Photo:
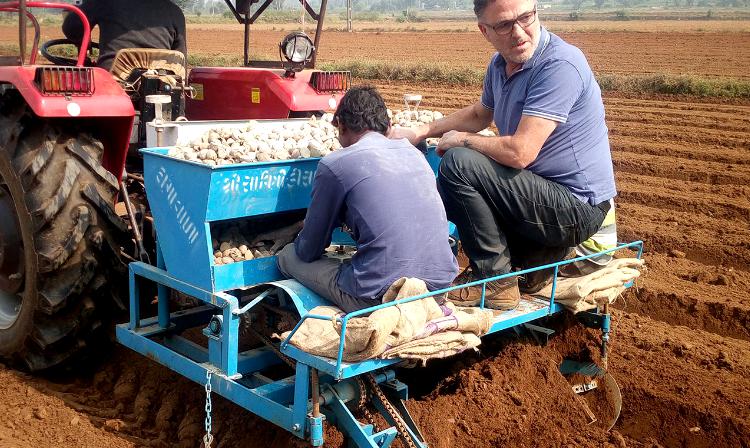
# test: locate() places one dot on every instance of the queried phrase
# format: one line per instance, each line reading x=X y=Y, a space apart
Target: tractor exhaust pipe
x=22 y=30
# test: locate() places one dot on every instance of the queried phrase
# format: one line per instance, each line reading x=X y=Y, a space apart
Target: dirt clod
x=617 y=439
x=677 y=253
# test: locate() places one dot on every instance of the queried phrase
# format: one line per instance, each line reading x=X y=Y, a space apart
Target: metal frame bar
x=284 y=403
x=222 y=384
x=341 y=371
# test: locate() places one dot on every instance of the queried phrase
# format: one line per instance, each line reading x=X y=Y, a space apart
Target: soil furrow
x=670 y=200
x=683 y=309
x=712 y=242
x=666 y=167
x=724 y=146
x=697 y=123
x=681 y=386
x=707 y=105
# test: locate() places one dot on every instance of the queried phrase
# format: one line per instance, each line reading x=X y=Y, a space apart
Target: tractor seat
x=129 y=59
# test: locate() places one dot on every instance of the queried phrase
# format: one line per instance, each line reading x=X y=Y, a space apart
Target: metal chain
x=392 y=412
x=269 y=343
x=208 y=439
x=364 y=400
x=364 y=396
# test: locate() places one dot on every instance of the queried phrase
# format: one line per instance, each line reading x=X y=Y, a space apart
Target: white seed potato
x=412 y=118
x=232 y=243
x=258 y=143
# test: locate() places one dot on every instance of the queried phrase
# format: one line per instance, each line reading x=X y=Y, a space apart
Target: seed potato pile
x=258 y=143
x=232 y=245
x=412 y=118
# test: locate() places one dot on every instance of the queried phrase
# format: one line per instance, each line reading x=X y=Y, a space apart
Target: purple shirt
x=557 y=84
x=385 y=192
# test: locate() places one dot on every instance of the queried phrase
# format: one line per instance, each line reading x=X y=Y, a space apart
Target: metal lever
x=158 y=101
x=142 y=254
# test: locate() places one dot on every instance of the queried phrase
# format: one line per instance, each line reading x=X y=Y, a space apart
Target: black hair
x=362 y=108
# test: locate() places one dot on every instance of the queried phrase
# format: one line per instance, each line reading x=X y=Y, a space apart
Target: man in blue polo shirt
x=384 y=191
x=545 y=184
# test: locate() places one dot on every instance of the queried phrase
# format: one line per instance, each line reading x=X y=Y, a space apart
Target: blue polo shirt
x=385 y=192
x=557 y=84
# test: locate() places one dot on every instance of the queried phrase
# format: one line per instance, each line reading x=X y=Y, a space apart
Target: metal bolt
x=295 y=427
x=214 y=325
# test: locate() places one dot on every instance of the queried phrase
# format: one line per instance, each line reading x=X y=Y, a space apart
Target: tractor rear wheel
x=57 y=238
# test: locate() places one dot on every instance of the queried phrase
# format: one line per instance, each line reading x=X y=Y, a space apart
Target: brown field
x=681 y=338
x=724 y=54
x=706 y=48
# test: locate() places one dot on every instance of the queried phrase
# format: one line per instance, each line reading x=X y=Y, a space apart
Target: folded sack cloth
x=368 y=337
x=390 y=327
x=464 y=319
x=602 y=286
x=439 y=345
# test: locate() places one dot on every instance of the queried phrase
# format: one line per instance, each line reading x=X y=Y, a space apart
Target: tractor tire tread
x=75 y=148
x=47 y=207
x=75 y=239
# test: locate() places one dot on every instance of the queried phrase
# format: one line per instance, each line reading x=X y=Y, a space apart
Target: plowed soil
x=708 y=48
x=622 y=52
x=681 y=338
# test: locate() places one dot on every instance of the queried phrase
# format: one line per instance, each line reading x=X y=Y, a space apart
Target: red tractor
x=70 y=215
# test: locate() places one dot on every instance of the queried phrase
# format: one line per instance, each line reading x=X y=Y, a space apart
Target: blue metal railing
x=556 y=266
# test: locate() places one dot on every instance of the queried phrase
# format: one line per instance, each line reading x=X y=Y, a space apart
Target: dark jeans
x=509 y=218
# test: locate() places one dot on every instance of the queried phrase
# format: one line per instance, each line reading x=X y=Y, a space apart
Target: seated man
x=385 y=192
x=129 y=24
x=525 y=198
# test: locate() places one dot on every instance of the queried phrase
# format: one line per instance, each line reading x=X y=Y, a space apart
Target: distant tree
x=186 y=4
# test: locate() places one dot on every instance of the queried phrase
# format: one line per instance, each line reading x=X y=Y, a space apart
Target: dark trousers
x=509 y=218
x=322 y=277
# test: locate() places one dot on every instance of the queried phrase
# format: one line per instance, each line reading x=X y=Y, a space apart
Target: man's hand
x=414 y=135
x=279 y=237
x=451 y=139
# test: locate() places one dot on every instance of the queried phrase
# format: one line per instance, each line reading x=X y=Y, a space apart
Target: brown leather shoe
x=465 y=296
x=533 y=282
x=500 y=295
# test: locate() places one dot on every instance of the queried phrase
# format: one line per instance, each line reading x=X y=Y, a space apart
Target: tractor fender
x=108 y=112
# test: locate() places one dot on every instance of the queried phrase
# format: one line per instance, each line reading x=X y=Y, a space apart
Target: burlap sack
x=600 y=287
x=368 y=337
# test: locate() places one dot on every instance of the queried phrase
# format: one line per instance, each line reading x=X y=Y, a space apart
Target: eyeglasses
x=506 y=27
